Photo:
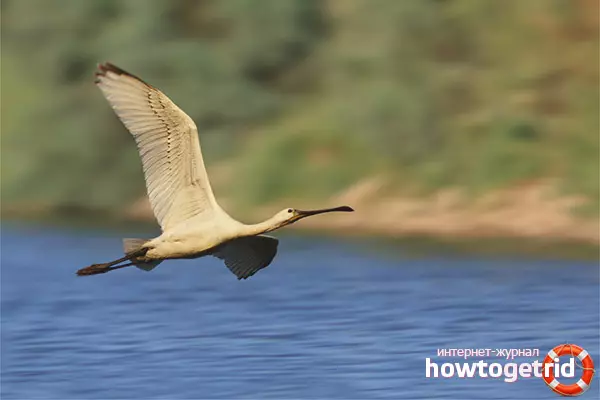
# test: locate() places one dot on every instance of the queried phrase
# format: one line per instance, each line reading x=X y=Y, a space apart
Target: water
x=330 y=319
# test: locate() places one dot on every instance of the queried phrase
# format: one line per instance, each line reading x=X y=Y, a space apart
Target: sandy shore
x=533 y=211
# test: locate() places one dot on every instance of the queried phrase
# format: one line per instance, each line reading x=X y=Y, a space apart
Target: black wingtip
x=105 y=67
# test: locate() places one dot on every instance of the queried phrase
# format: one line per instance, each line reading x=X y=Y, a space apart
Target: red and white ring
x=582 y=384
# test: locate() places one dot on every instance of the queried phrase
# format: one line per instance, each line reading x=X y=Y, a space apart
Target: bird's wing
x=167 y=140
x=246 y=256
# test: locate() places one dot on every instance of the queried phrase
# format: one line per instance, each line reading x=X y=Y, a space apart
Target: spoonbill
x=192 y=222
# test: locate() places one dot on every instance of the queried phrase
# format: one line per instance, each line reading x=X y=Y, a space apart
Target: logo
x=551 y=370
x=559 y=376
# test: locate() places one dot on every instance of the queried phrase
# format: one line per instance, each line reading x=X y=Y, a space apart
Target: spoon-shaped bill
x=308 y=213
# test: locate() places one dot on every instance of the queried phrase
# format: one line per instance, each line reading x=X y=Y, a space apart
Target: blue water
x=329 y=319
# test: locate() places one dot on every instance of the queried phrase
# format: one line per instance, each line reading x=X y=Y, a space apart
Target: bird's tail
x=133 y=245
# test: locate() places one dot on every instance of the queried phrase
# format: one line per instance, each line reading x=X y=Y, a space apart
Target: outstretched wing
x=246 y=256
x=167 y=140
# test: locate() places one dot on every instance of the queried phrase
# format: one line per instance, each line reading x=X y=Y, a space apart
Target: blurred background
x=437 y=119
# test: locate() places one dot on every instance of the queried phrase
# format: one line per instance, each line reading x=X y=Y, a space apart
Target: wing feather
x=167 y=140
x=248 y=255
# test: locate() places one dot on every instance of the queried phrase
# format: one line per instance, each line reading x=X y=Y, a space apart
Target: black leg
x=100 y=269
x=95 y=269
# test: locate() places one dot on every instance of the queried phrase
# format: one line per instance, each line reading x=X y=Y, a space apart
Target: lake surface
x=329 y=319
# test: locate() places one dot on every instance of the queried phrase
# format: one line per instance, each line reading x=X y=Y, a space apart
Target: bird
x=193 y=224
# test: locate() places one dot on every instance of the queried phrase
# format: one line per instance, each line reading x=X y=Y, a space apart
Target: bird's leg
x=95 y=269
x=106 y=267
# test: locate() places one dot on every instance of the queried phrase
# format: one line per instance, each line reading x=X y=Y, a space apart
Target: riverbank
x=532 y=211
x=527 y=219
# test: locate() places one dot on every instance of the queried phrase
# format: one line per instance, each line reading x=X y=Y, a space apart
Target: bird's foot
x=94 y=269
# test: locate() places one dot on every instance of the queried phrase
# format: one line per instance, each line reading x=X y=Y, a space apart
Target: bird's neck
x=260 y=228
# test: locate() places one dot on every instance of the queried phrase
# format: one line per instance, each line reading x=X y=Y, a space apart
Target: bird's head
x=290 y=215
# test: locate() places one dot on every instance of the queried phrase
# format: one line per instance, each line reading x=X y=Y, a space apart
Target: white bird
x=193 y=224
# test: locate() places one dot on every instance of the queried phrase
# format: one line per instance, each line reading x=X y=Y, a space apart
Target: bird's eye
x=290 y=210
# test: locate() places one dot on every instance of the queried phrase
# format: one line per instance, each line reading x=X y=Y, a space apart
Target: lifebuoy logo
x=551 y=365
x=554 y=373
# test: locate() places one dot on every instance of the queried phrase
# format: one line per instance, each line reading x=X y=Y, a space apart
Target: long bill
x=303 y=213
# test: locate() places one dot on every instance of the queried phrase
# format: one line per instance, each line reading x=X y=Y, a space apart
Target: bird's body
x=193 y=224
x=194 y=236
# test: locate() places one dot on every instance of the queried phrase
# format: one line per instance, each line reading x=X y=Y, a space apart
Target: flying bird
x=192 y=222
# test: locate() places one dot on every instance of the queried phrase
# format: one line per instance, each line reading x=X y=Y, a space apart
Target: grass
x=471 y=94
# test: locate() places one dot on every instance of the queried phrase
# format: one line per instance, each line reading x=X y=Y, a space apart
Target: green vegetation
x=305 y=97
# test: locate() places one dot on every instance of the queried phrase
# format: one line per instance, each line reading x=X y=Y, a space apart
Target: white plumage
x=179 y=191
x=167 y=139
